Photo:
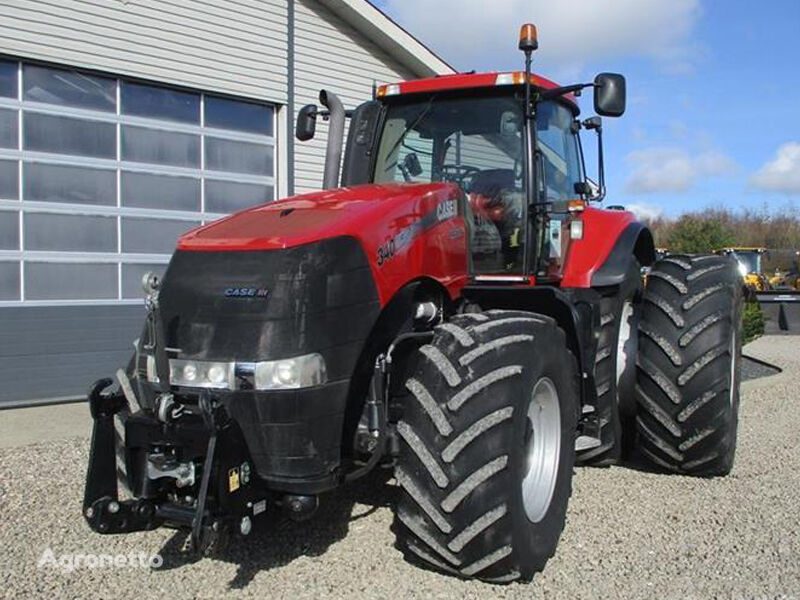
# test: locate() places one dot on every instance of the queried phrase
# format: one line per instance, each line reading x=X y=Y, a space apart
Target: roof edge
x=390 y=36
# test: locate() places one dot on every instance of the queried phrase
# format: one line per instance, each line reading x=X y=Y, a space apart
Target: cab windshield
x=750 y=260
x=477 y=143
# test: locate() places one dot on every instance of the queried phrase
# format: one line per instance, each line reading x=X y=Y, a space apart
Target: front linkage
x=159 y=460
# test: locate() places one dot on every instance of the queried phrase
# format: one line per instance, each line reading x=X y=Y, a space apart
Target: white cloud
x=673 y=169
x=645 y=211
x=782 y=174
x=482 y=35
x=713 y=163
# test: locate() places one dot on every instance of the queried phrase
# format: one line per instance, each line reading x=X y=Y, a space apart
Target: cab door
x=560 y=168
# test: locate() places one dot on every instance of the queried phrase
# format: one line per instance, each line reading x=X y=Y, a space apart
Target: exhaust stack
x=333 y=154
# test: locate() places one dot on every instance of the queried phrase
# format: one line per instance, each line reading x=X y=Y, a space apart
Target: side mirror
x=306 y=123
x=609 y=94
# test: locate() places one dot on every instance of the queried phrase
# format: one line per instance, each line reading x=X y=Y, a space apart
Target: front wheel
x=487 y=447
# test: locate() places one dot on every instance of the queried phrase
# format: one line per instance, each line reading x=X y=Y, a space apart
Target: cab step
x=586 y=442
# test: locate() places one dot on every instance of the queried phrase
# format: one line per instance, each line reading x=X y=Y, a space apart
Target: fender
x=610 y=241
x=635 y=242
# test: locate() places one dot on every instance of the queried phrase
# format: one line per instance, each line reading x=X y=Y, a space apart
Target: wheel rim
x=734 y=361
x=624 y=337
x=542 y=450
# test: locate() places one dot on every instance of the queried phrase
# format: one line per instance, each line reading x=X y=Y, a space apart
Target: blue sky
x=713 y=87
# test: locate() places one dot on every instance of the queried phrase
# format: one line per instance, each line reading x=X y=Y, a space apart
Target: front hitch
x=198 y=525
x=102 y=508
x=227 y=496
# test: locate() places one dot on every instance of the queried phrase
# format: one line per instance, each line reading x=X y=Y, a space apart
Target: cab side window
x=559 y=152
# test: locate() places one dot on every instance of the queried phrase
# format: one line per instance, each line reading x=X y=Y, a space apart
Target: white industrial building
x=126 y=122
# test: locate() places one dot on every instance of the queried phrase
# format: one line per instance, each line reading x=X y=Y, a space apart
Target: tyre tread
x=685 y=420
x=451 y=436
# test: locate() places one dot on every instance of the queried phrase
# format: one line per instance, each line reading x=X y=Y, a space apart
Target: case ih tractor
x=452 y=307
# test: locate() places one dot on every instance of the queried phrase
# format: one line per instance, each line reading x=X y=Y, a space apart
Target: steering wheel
x=458 y=173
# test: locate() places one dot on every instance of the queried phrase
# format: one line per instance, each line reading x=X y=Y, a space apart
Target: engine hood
x=304 y=219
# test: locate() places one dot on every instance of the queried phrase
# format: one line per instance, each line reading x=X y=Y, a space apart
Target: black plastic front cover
x=249 y=306
x=270 y=304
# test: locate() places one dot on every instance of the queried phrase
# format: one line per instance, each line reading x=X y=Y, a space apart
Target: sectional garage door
x=99 y=175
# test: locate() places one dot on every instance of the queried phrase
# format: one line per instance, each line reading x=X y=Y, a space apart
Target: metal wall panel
x=230 y=46
x=56 y=352
x=331 y=54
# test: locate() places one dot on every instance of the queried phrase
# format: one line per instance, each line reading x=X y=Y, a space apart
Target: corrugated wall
x=331 y=54
x=230 y=46
x=56 y=352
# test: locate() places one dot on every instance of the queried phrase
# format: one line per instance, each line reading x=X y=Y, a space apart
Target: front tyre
x=487 y=446
x=688 y=366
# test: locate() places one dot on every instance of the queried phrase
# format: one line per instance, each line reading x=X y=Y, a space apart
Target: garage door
x=98 y=177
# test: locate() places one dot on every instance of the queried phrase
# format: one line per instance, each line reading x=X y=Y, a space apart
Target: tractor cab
x=508 y=142
x=474 y=139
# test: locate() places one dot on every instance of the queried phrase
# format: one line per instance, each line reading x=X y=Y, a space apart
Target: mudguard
x=635 y=242
x=611 y=240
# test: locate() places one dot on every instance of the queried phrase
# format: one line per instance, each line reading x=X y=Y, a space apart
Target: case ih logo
x=246 y=292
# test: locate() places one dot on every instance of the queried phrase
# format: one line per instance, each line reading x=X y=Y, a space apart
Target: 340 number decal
x=444 y=210
x=386 y=252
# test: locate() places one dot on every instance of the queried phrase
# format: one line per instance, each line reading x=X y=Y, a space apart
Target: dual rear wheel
x=668 y=367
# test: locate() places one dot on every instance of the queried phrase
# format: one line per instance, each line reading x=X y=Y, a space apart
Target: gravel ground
x=631 y=533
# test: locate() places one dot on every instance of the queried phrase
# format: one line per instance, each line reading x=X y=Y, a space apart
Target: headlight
x=202 y=374
x=290 y=373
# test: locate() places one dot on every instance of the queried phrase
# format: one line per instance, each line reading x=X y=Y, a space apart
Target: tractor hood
x=304 y=219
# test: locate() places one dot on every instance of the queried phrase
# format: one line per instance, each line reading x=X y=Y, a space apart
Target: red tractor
x=452 y=307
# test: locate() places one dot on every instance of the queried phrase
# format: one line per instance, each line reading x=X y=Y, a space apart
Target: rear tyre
x=688 y=367
x=615 y=372
x=487 y=446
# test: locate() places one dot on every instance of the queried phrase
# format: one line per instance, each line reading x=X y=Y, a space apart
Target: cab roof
x=469 y=80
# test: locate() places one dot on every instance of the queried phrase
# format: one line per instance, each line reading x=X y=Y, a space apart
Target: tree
x=694 y=234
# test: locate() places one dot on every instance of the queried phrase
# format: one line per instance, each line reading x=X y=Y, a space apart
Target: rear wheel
x=487 y=446
x=615 y=372
x=687 y=388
